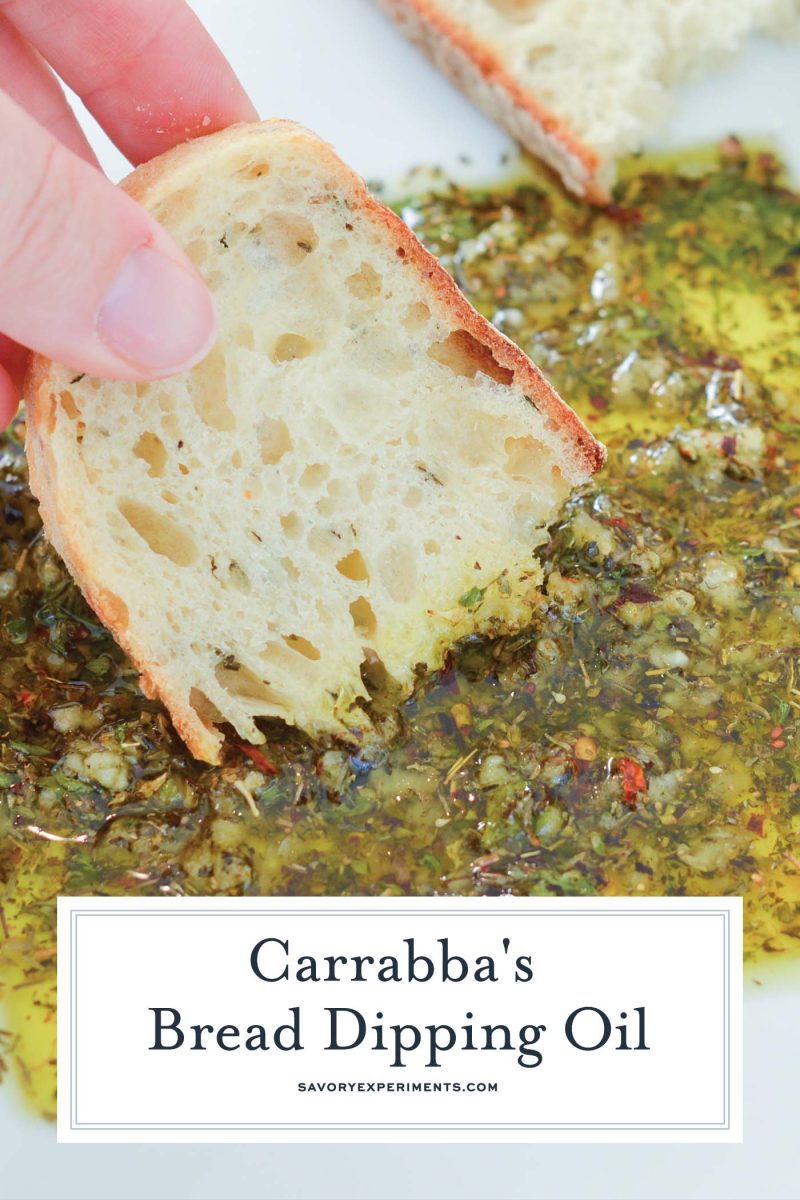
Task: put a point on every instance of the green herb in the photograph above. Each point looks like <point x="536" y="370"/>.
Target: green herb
<point x="472" y="598"/>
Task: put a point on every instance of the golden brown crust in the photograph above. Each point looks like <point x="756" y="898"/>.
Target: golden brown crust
<point x="428" y="16"/>
<point x="203" y="740"/>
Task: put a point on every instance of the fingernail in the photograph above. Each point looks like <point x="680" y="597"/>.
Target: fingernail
<point x="157" y="314"/>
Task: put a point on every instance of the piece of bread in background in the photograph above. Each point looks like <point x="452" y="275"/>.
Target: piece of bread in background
<point x="580" y="82"/>
<point x="358" y="473"/>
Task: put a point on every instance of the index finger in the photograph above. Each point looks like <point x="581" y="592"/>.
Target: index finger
<point x="146" y="69"/>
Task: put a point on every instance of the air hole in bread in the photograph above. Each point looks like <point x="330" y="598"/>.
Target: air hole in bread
<point x="163" y="535"/>
<point x="180" y="200"/>
<point x="524" y="457"/>
<point x="352" y="566"/>
<point x="324" y="542"/>
<point x="252" y="169"/>
<point x="466" y="356"/>
<point x="302" y="646"/>
<point x="398" y="568"/>
<point x="291" y="570"/>
<point x="517" y="10"/>
<point x="274" y="440"/>
<point x="378" y="682"/>
<point x="242" y="683"/>
<point x="279" y="655"/>
<point x="70" y="407"/>
<point x="431" y="547"/>
<point x="416" y="317"/>
<point x="314" y="475"/>
<point x="197" y="251"/>
<point x="327" y="506"/>
<point x="206" y="711"/>
<point x="287" y="235"/>
<point x="243" y="335"/>
<point x="238" y="578"/>
<point x="208" y="384"/>
<point x="366" y="283"/>
<point x="292" y="524"/>
<point x="169" y="497"/>
<point x="412" y="498"/>
<point x="114" y="610"/>
<point x="290" y="346"/>
<point x="152" y="450"/>
<point x="236" y="460"/>
<point x="537" y="54"/>
<point x="366" y="487"/>
<point x="364" y="620"/>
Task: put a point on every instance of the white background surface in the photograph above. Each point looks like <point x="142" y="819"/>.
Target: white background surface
<point x="119" y="959"/>
<point x="337" y="66"/>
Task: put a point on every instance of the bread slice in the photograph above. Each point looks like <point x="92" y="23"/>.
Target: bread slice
<point x="359" y="471"/>
<point x="579" y="82"/>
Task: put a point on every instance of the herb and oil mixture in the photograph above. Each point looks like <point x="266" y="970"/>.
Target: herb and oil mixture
<point x="640" y="738"/>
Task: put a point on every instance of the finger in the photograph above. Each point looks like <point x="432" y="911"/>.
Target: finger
<point x="88" y="277"/>
<point x="9" y="398"/>
<point x="27" y="79"/>
<point x="14" y="359"/>
<point x="146" y="69"/>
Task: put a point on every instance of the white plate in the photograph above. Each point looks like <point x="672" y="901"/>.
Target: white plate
<point x="337" y="66"/>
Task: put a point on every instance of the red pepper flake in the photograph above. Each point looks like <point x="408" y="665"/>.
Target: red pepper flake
<point x="25" y="697"/>
<point x="756" y="824"/>
<point x="633" y="594"/>
<point x="728" y="447"/>
<point x="625" y="216"/>
<point x="617" y="522"/>
<point x="776" y="732"/>
<point x="779" y="745"/>
<point x="634" y="783"/>
<point x="258" y="758"/>
<point x="448" y="678"/>
<point x="599" y="402"/>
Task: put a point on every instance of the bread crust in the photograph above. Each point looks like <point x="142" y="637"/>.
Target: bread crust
<point x="583" y="457"/>
<point x="473" y="67"/>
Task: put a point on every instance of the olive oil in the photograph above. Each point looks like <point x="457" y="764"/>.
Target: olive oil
<point x="641" y="737"/>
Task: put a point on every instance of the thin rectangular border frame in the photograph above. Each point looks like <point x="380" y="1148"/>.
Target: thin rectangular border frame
<point x="75" y="1125"/>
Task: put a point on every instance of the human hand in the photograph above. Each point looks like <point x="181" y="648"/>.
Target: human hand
<point x="86" y="275"/>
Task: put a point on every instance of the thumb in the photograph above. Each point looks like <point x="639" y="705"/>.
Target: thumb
<point x="87" y="277"/>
